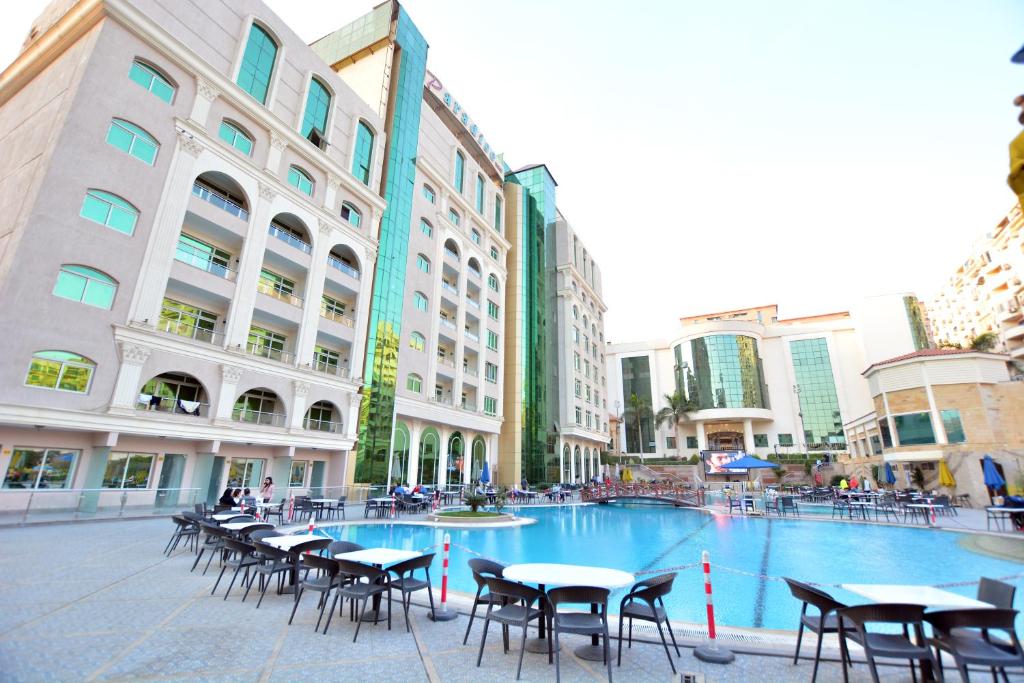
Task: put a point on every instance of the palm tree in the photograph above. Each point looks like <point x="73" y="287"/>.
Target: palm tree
<point x="986" y="341"/>
<point x="673" y="413"/>
<point x="637" y="408"/>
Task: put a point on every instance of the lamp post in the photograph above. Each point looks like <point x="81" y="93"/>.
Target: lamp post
<point x="800" y="416"/>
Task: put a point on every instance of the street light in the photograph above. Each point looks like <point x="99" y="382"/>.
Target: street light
<point x="800" y="416"/>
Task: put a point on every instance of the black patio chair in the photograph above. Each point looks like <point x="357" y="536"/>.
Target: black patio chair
<point x="824" y="622"/>
<point x="377" y="582"/>
<point x="788" y="504"/>
<point x="481" y="568"/>
<point x="214" y="542"/>
<point x="270" y="562"/>
<point x="996" y="593"/>
<point x="964" y="634"/>
<point x="337" y="508"/>
<point x="853" y="626"/>
<point x="406" y="583"/>
<point x="581" y="623"/>
<point x="843" y="507"/>
<point x="185" y="528"/>
<point x="239" y="557"/>
<point x="338" y="547"/>
<point x="326" y="579"/>
<point x="507" y="596"/>
<point x="275" y="511"/>
<point x="645" y="602"/>
<point x="248" y="531"/>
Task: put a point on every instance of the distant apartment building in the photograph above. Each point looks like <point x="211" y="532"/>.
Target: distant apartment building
<point x="986" y="293"/>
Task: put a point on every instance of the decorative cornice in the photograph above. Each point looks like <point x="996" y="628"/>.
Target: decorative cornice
<point x="134" y="354"/>
<point x="334" y="182"/>
<point x="277" y="142"/>
<point x="326" y="227"/>
<point x="189" y="143"/>
<point x="230" y="374"/>
<point x="301" y="388"/>
<point x="267" y="192"/>
<point x="206" y="90"/>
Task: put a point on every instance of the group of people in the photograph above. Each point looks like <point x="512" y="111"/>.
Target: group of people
<point x="236" y="496"/>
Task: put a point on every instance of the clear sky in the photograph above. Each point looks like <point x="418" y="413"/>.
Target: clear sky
<point x="729" y="153"/>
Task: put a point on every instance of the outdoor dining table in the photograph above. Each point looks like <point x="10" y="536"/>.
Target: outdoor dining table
<point x="921" y="508"/>
<point x="286" y="543"/>
<point x="240" y="526"/>
<point x="862" y="506"/>
<point x="380" y="558"/>
<point x="1000" y="515"/>
<point x="551" y="574"/>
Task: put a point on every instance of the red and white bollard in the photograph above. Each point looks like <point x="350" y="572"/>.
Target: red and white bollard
<point x="711" y="652"/>
<point x="291" y="508"/>
<point x="392" y="506"/>
<point x="444" y="614"/>
<point x="312" y="524"/>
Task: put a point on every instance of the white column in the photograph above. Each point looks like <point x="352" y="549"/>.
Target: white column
<point x="299" y="392"/>
<point x="148" y="297"/>
<point x="572" y="465"/>
<point x="748" y="436"/>
<point x="331" y="197"/>
<point x="467" y="457"/>
<point x="892" y="423"/>
<point x="561" y="462"/>
<point x="442" y="458"/>
<point x="206" y="93"/>
<point x="274" y="154"/>
<point x="460" y="330"/>
<point x="229" y="376"/>
<point x="129" y="378"/>
<point x="415" y="431"/>
<point x="937" y="426"/>
<point x="702" y="439"/>
<point x="249" y="266"/>
<point x="313" y="293"/>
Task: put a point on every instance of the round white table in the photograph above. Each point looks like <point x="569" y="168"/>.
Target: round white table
<point x="548" y="574"/>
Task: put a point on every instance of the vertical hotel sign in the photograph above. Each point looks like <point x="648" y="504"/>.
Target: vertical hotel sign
<point x="434" y="85"/>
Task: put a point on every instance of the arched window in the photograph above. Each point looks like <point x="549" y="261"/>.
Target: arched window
<point x="363" y="153"/>
<point x="86" y="286"/>
<point x="423" y="263"/>
<point x="453" y="217"/>
<point x="419" y="300"/>
<point x="257" y="64"/>
<point x="475" y="236"/>
<point x="314" y="119"/>
<point x="236" y="137"/>
<point x="497" y="213"/>
<point x="300" y="180"/>
<point x="430" y="448"/>
<point x="417" y="341"/>
<point x="320" y="418"/>
<point x="494" y="253"/>
<point x="152" y="80"/>
<point x="129" y="138"/>
<point x="109" y="210"/>
<point x="480" y="193"/>
<point x="492" y="281"/>
<point x="351" y="214"/>
<point x="414" y="382"/>
<point x="426" y="228"/>
<point x="429" y="194"/>
<point x="460" y="171"/>
<point x="575" y="312"/>
<point x="60" y="370"/>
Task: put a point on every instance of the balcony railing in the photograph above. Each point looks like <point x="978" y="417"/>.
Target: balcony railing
<point x="475" y="273"/>
<point x="268" y="352"/>
<point x="186" y="253"/>
<point x="336" y="369"/>
<point x="181" y="329"/>
<point x="219" y="200"/>
<point x="337" y="317"/>
<point x="271" y="289"/>
<point x="469" y="405"/>
<point x="290" y="239"/>
<point x="445" y="361"/>
<point x="451" y="254"/>
<point x="343" y="267"/>
<point x="474" y="303"/>
<point x="469" y="370"/>
<point x="445" y="322"/>
<point x="168" y="405"/>
<point x="441" y="400"/>
<point x="472" y="335"/>
<point x="449" y="287"/>
<point x="258" y="417"/>
<point x="321" y="425"/>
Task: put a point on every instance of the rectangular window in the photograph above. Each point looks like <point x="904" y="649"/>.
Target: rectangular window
<point x="363" y="153"/>
<point x="494" y="253"/>
<point x="589" y="420"/>
<point x="588" y="393"/>
<point x="491" y="372"/>
<point x="109" y="210"/>
<point x="422" y="263"/>
<point x="785" y="439"/>
<point x="41" y="468"/>
<point x="914" y="428"/>
<point x="579" y="388"/>
<point x="497" y="214"/>
<point x="670" y="442"/>
<point x="187" y="320"/>
<point x="883" y="429"/>
<point x="579" y="415"/>
<point x="204" y="256"/>
<point x="577" y="361"/>
<point x="492" y="340"/>
<point x="428" y="194"/>
<point x="426" y="228"/>
<point x="761" y="440"/>
<point x="257" y="64"/>
<point x="453" y="217"/>
<point x="490" y="405"/>
<point x="245" y="472"/>
<point x="460" y="172"/>
<point x="419" y="301"/>
<point x="876" y="445"/>
<point x="414" y="383"/>
<point x="272" y="283"/>
<point x="480" y="194"/>
<point x="263" y="340"/>
<point x="575" y="335"/>
<point x="325" y="359"/>
<point x="331" y="308"/>
<point x="128" y="470"/>
<point x="298" y="473"/>
<point x="475" y="236"/>
<point x="492" y="310"/>
<point x="691" y="442"/>
<point x="954" y="427"/>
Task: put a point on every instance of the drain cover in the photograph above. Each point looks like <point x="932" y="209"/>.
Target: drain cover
<point x="691" y="677"/>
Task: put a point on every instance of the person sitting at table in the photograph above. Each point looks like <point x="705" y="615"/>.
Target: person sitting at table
<point x="418" y="488"/>
<point x="247" y="498"/>
<point x="226" y="498"/>
<point x="267" y="490"/>
<point x="236" y="496"/>
<point x="400" y="490"/>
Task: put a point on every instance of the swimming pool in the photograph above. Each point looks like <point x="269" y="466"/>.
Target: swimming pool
<point x="640" y="538"/>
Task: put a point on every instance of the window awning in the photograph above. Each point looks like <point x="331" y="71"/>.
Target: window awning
<point x="912" y="456"/>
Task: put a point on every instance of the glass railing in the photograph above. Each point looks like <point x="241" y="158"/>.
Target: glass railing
<point x="447" y="362"/>
<point x="337" y="317"/>
<point x="64" y="505"/>
<point x="336" y="369"/>
<point x="472" y="335"/>
<point x="197" y="258"/>
<point x="170" y="405"/>
<point x="290" y="239"/>
<point x="258" y="417"/>
<point x="189" y="331"/>
<point x="450" y="254"/>
<point x="321" y="425"/>
<point x="343" y="267"/>
<point x="449" y="287"/>
<point x="441" y="400"/>
<point x="272" y="289"/>
<point x="475" y="273"/>
<point x="447" y="323"/>
<point x="474" y="303"/>
<point x="469" y="405"/>
<point x="219" y="200"/>
<point x="269" y="352"/>
<point x="469" y="370"/>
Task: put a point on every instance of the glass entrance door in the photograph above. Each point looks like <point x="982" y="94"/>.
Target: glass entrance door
<point x="170" y="478"/>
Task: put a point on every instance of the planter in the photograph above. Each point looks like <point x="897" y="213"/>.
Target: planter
<point x="464" y="518"/>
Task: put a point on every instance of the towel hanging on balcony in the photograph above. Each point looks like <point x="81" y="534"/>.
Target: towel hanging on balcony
<point x="190" y="407"/>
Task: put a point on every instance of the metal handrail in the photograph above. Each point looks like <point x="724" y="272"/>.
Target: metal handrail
<point x="191" y="256"/>
<point x="259" y="417"/>
<point x="321" y="425"/>
<point x="290" y="239"/>
<point x="220" y="201"/>
<point x="447" y="323"/>
<point x="194" y="331"/>
<point x="71" y="503"/>
<point x="337" y="317"/>
<point x="268" y="352"/>
<point x="168" y="405"/>
<point x="472" y="335"/>
<point x="343" y="267"/>
<point x="272" y="289"/>
<point x="337" y="369"/>
<point x="446" y="361"/>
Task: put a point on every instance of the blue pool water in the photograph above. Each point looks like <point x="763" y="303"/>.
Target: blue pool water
<point x="639" y="538"/>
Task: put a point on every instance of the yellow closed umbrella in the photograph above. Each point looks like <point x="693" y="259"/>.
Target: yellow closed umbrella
<point x="945" y="476"/>
<point x="627" y="476"/>
<point x="844" y="485"/>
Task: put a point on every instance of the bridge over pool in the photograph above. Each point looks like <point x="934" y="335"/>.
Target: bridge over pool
<point x="672" y="495"/>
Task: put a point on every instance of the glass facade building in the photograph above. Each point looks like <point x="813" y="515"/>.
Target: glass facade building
<point x="638" y="416"/>
<point x="720" y="371"/>
<point x="819" y="404"/>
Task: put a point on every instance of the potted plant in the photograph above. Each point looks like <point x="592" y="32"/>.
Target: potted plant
<point x="475" y="502"/>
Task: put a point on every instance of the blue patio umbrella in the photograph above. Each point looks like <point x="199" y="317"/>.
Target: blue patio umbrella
<point x="485" y="474"/>
<point x="992" y="477"/>
<point x="890" y="476"/>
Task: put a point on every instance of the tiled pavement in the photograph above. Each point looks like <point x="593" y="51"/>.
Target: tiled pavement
<point x="98" y="601"/>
